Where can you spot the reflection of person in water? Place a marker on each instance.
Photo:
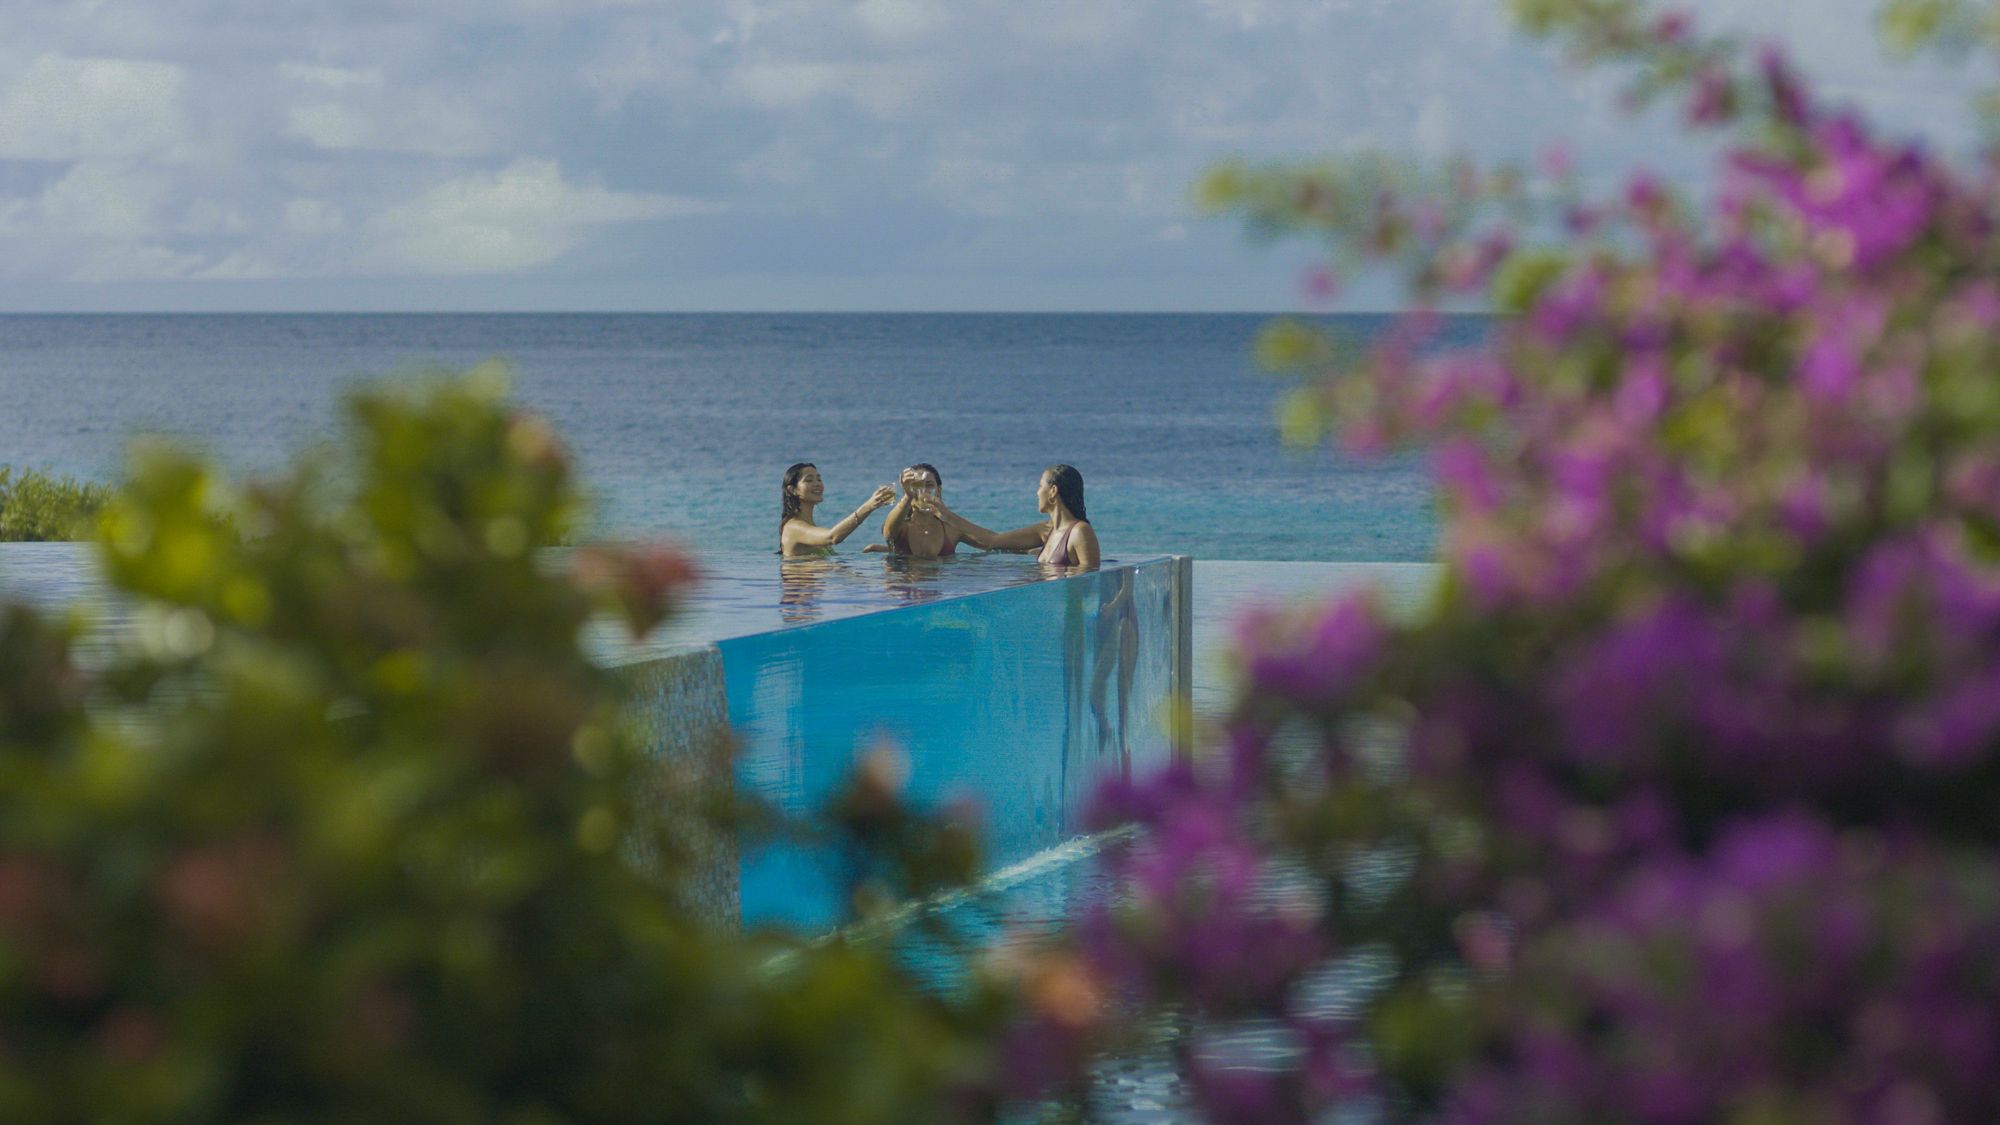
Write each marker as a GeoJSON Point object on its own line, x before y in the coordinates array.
{"type": "Point", "coordinates": [801, 582]}
{"type": "Point", "coordinates": [911, 579]}
{"type": "Point", "coordinates": [1099, 649]}
{"type": "Point", "coordinates": [1117, 650]}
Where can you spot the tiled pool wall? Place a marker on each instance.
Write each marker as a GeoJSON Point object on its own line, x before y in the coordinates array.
{"type": "Point", "coordinates": [1020, 699]}
{"type": "Point", "coordinates": [680, 709]}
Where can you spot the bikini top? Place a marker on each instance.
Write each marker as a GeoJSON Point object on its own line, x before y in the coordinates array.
{"type": "Point", "coordinates": [1055, 552]}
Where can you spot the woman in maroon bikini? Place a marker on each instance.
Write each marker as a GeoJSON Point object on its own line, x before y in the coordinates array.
{"type": "Point", "coordinates": [1065, 539]}
{"type": "Point", "coordinates": [913, 526]}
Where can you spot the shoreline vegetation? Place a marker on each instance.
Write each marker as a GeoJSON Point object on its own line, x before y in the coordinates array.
{"type": "Point", "coordinates": [38, 507]}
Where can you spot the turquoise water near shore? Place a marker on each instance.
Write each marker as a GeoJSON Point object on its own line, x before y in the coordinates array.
{"type": "Point", "coordinates": [683, 424]}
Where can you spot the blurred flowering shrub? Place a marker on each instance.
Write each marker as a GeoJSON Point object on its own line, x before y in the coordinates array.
{"type": "Point", "coordinates": [350, 829]}
{"type": "Point", "coordinates": [1681, 803]}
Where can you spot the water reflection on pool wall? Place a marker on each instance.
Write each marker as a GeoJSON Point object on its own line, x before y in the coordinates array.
{"type": "Point", "coordinates": [1020, 699]}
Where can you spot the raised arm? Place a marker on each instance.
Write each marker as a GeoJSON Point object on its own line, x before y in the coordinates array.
{"type": "Point", "coordinates": [892, 524]}
{"type": "Point", "coordinates": [798, 533]}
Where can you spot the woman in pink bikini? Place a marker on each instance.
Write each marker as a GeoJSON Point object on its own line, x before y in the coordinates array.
{"type": "Point", "coordinates": [1065, 539]}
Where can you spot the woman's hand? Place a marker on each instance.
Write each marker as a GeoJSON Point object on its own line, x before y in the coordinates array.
{"type": "Point", "coordinates": [911, 480]}
{"type": "Point", "coordinates": [883, 495]}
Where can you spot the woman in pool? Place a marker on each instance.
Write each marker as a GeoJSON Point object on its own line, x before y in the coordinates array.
{"type": "Point", "coordinates": [1065, 539]}
{"type": "Point", "coordinates": [912, 527]}
{"type": "Point", "coordinates": [798, 536]}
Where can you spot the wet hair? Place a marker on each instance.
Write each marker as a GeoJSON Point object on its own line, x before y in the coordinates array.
{"type": "Point", "coordinates": [789, 507]}
{"type": "Point", "coordinates": [932, 470]}
{"type": "Point", "coordinates": [1069, 488]}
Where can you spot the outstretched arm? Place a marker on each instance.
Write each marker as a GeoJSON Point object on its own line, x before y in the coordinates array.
{"type": "Point", "coordinates": [1020, 539]}
{"type": "Point", "coordinates": [800, 534]}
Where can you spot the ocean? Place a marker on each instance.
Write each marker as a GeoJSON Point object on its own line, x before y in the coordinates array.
{"type": "Point", "coordinates": [682, 424]}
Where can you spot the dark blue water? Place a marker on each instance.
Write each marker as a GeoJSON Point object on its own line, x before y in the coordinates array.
{"type": "Point", "coordinates": [684, 423]}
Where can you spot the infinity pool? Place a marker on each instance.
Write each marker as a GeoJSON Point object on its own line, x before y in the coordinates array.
{"type": "Point", "coordinates": [1002, 684]}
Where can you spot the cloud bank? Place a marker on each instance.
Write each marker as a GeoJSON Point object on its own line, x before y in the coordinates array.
{"type": "Point", "coordinates": [757, 153]}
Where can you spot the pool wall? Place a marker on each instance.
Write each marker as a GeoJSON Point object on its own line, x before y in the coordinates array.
{"type": "Point", "coordinates": [680, 709]}
{"type": "Point", "coordinates": [1019, 700]}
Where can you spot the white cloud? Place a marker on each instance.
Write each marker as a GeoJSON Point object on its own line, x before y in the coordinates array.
{"type": "Point", "coordinates": [314, 217]}
{"type": "Point", "coordinates": [522, 216]}
{"type": "Point", "coordinates": [894, 90]}
{"type": "Point", "coordinates": [63, 108]}
{"type": "Point", "coordinates": [329, 77]}
{"type": "Point", "coordinates": [1245, 14]}
{"type": "Point", "coordinates": [646, 56]}
{"type": "Point", "coordinates": [901, 20]}
{"type": "Point", "coordinates": [239, 267]}
{"type": "Point", "coordinates": [980, 186]}
{"type": "Point", "coordinates": [1065, 23]}
{"type": "Point", "coordinates": [783, 161]}
{"type": "Point", "coordinates": [135, 261]}
{"type": "Point", "coordinates": [105, 200]}
{"type": "Point", "coordinates": [329, 125]}
{"type": "Point", "coordinates": [210, 217]}
{"type": "Point", "coordinates": [415, 123]}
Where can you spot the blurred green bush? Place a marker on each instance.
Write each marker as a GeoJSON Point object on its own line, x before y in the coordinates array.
{"type": "Point", "coordinates": [36, 507]}
{"type": "Point", "coordinates": [345, 830]}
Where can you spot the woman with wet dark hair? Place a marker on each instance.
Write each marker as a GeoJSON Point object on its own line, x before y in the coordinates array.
{"type": "Point", "coordinates": [1065, 539]}
{"type": "Point", "coordinates": [913, 527]}
{"type": "Point", "coordinates": [798, 536]}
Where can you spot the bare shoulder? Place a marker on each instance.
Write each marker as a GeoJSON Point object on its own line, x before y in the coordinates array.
{"type": "Point", "coordinates": [1083, 545]}
{"type": "Point", "coordinates": [791, 535]}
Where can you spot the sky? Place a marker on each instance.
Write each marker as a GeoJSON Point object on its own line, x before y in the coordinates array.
{"type": "Point", "coordinates": [768, 154]}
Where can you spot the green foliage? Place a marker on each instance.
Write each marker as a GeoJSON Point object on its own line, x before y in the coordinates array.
{"type": "Point", "coordinates": [36, 507]}
{"type": "Point", "coordinates": [347, 830]}
{"type": "Point", "coordinates": [1908, 26]}
{"type": "Point", "coordinates": [1522, 279]}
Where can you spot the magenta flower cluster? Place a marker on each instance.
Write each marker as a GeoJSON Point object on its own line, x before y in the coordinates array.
{"type": "Point", "coordinates": [1692, 767]}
